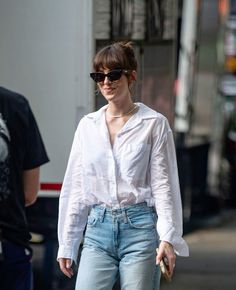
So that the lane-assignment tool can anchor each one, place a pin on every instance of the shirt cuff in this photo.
(178, 243)
(68, 253)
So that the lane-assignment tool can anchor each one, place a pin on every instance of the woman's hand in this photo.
(167, 253)
(66, 266)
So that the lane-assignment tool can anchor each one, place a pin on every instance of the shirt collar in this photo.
(144, 112)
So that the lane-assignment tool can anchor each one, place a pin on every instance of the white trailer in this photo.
(45, 54)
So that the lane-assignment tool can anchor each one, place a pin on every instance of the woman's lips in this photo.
(108, 90)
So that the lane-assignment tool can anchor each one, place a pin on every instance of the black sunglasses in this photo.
(112, 76)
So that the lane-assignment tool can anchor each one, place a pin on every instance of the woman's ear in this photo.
(132, 77)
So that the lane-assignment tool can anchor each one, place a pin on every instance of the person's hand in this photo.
(66, 266)
(167, 253)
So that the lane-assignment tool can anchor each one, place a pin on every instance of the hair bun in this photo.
(127, 44)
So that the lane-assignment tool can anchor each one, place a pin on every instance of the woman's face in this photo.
(115, 90)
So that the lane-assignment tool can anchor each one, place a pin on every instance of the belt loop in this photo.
(102, 214)
(124, 213)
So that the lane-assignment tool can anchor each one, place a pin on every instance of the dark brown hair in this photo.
(117, 55)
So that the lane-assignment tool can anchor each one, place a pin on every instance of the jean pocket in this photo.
(92, 220)
(143, 221)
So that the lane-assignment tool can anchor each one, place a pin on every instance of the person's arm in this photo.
(31, 185)
(166, 192)
(73, 212)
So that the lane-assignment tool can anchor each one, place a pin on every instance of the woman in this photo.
(122, 182)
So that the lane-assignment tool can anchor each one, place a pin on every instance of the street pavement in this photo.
(212, 261)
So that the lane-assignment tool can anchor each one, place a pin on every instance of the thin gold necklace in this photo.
(122, 115)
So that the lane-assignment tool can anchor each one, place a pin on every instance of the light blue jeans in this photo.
(120, 244)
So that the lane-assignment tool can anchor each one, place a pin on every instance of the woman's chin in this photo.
(109, 97)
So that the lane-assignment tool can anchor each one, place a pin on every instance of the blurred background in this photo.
(187, 64)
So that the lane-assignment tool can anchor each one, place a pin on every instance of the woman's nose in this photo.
(106, 80)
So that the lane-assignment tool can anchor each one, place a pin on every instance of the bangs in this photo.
(110, 58)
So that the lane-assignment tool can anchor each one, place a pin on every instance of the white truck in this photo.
(45, 54)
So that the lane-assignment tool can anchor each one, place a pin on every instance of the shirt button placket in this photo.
(113, 185)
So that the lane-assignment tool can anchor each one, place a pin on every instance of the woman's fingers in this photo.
(66, 266)
(171, 263)
(166, 252)
(159, 256)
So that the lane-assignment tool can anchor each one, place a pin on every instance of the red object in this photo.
(51, 186)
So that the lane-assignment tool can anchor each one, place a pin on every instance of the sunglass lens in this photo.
(97, 77)
(114, 75)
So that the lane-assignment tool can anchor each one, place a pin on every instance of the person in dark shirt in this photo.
(22, 152)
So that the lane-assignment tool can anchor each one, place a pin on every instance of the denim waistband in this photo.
(123, 212)
(127, 208)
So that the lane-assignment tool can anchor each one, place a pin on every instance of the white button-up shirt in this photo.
(140, 167)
